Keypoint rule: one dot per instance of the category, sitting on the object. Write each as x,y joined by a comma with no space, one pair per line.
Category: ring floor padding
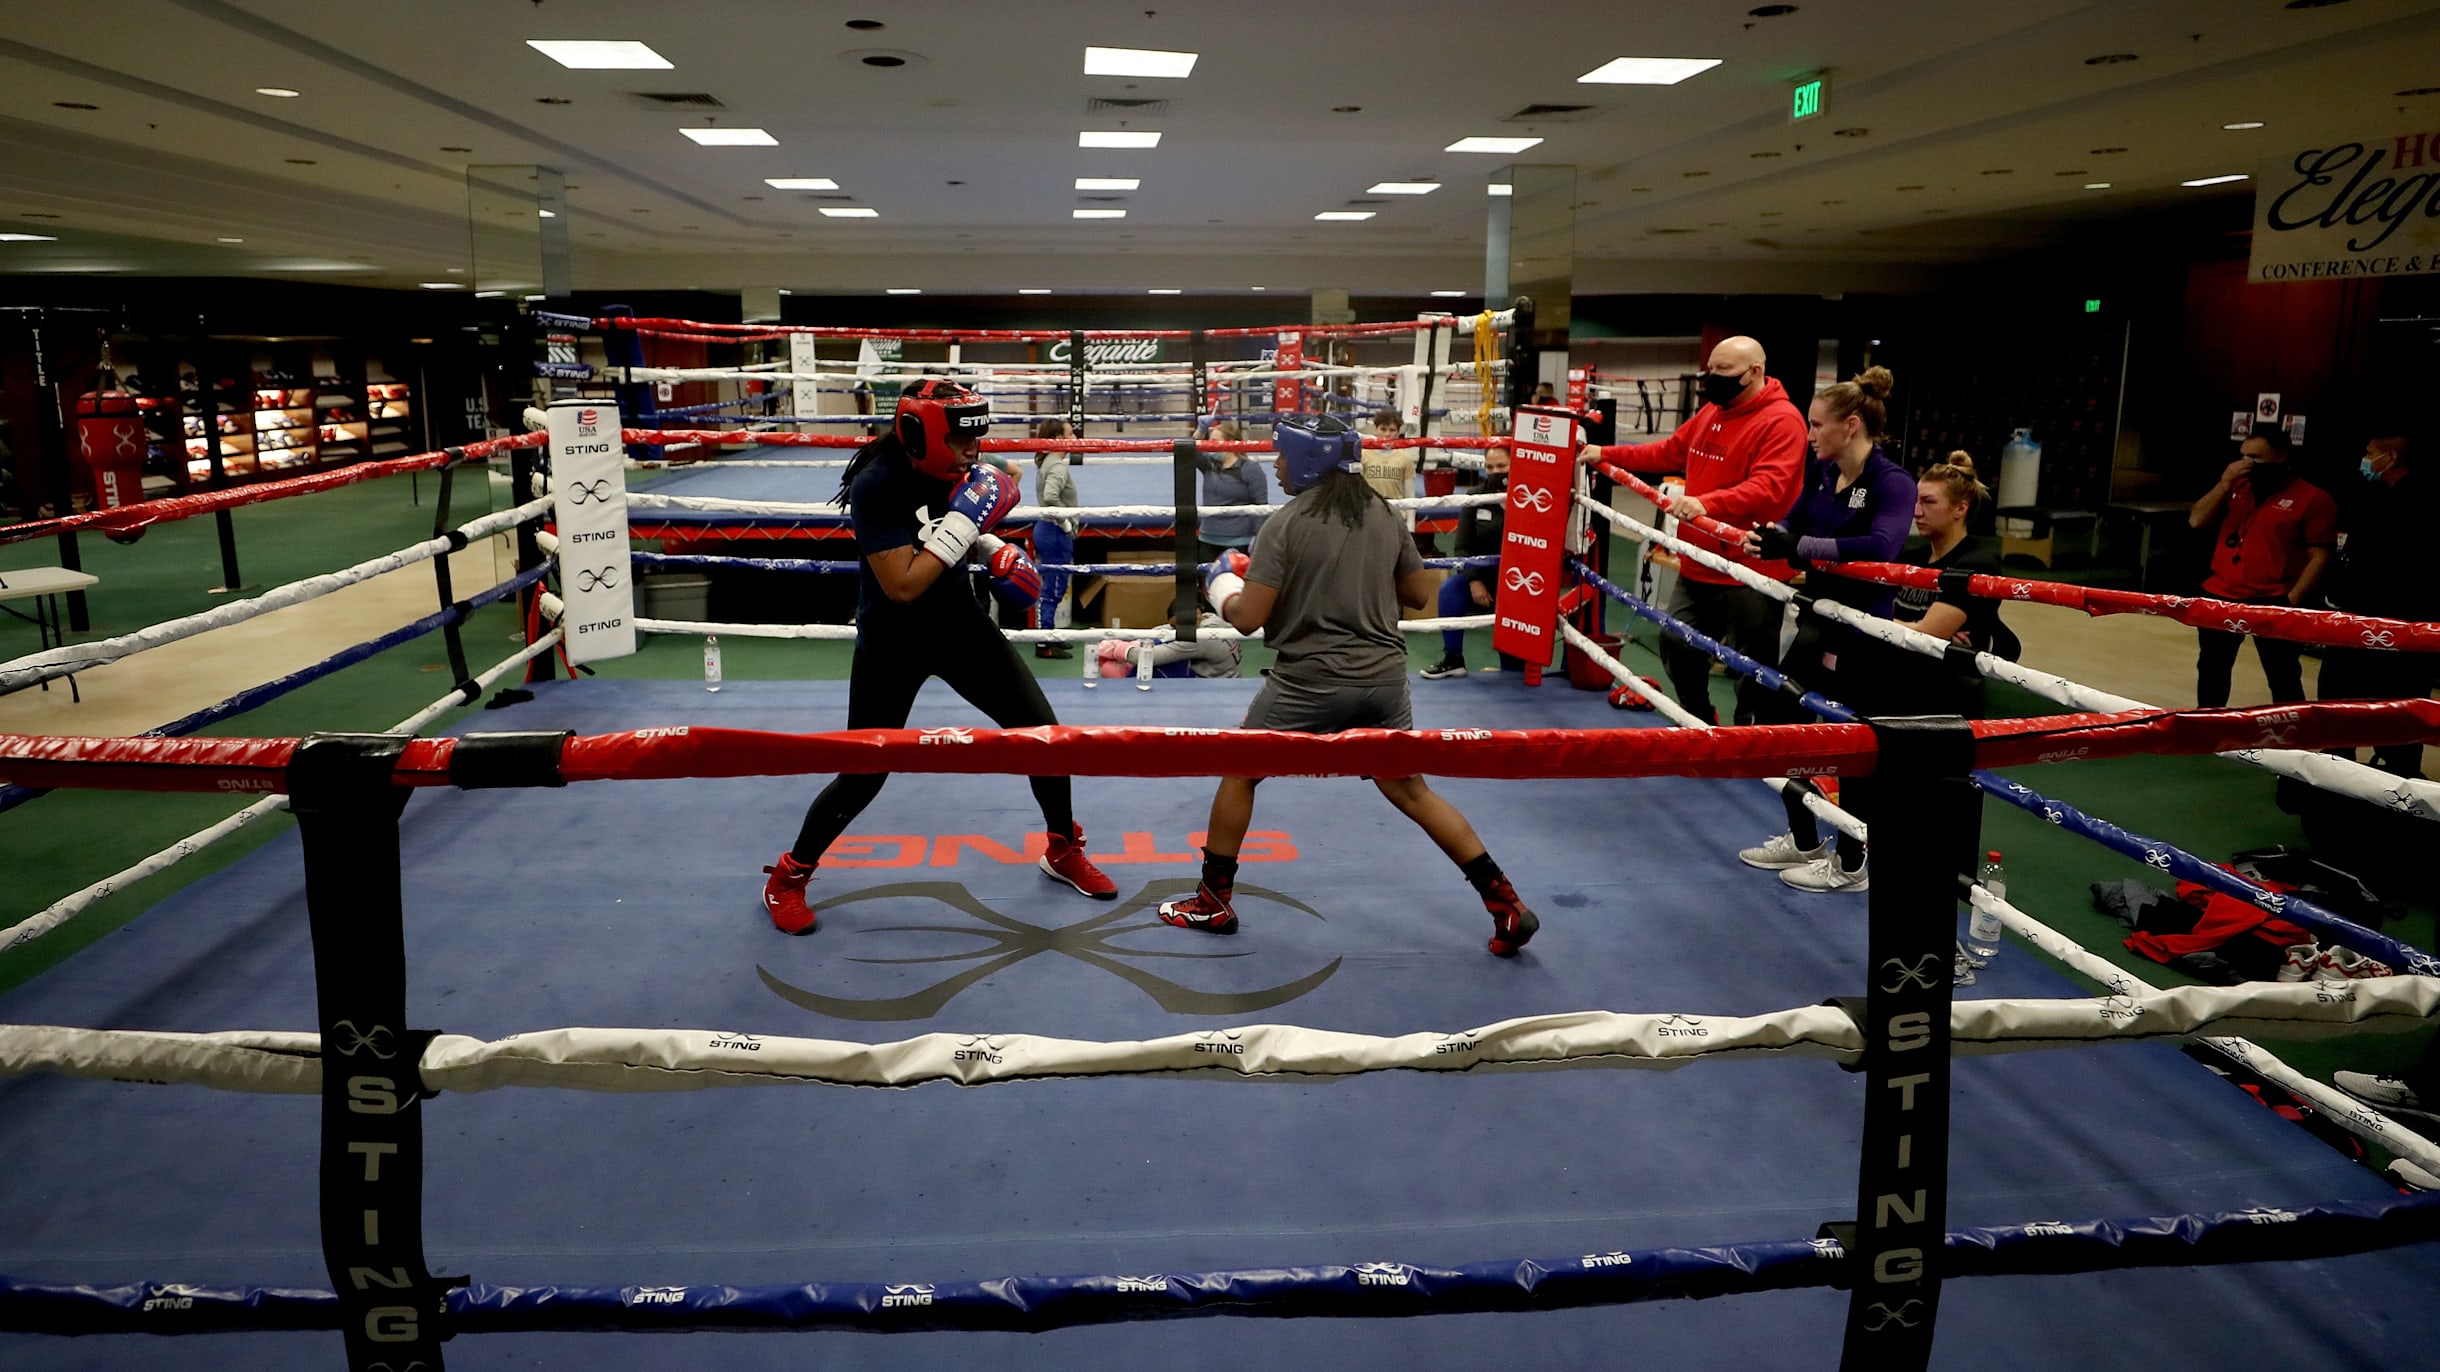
636,905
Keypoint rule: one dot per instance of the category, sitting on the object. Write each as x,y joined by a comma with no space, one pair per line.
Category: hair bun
1876,380
1962,460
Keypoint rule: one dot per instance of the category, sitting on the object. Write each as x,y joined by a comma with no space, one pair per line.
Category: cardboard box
1431,601
1131,602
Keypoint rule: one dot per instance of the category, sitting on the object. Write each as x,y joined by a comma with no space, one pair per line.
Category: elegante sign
1101,352
2359,208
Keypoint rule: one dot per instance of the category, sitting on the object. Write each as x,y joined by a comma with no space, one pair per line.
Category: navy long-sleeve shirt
1866,522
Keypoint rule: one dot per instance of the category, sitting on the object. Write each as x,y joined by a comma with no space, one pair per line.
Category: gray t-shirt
1336,619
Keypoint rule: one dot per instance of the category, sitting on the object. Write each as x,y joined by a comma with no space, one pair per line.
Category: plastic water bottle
1983,930
711,662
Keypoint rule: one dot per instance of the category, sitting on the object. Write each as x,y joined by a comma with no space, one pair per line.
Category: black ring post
347,808
1923,822
526,467
1190,532
1076,373
451,637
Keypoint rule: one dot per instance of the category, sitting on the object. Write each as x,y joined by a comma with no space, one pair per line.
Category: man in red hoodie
1743,454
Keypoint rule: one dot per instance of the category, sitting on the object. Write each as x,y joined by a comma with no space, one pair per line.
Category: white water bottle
1983,930
711,662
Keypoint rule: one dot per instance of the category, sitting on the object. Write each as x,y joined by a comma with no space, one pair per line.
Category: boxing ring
1011,1127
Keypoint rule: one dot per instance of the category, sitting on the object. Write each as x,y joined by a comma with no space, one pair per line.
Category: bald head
1734,374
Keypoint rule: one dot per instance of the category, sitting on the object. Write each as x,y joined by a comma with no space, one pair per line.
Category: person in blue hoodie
1857,506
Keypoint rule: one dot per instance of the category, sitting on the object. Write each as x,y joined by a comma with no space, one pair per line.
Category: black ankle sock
1851,857
1481,872
1219,869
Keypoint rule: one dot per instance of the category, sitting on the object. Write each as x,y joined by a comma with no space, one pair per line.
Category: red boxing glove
1014,577
1223,579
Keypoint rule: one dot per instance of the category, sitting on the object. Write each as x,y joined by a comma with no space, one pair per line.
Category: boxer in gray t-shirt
1324,586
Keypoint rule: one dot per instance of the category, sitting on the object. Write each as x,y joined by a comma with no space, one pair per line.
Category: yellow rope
1486,352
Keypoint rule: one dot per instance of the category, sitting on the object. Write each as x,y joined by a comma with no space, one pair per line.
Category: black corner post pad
493,762
1921,813
346,802
1183,610
457,540
1956,581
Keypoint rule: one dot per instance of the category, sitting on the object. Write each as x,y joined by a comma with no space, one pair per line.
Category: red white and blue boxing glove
1015,580
981,502
1223,579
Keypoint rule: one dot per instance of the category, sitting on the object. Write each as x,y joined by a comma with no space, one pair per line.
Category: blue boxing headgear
1312,446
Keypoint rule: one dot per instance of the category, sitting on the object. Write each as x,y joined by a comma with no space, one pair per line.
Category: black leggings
2215,664
977,663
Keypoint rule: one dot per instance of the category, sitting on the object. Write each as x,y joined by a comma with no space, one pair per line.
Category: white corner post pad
588,472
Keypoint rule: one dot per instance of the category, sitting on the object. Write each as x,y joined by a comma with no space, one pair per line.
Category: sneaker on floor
2391,1094
1824,874
1512,923
1779,852
2300,962
1444,669
1066,862
784,895
1207,910
2405,1173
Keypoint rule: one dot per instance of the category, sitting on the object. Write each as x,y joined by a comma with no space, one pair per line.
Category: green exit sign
2092,307
1811,98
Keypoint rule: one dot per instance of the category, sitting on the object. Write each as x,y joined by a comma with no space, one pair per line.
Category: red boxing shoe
1208,909
1511,922
1066,862
784,896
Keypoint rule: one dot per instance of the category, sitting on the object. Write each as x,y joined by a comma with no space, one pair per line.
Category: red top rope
791,439
259,765
696,331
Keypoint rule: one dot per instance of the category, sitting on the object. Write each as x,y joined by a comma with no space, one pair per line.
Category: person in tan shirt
1391,474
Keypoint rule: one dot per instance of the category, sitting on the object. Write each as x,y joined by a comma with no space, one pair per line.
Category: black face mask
2269,476
1722,390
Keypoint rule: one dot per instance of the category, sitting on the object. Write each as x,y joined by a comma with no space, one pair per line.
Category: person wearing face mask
1743,454
2276,532
2384,568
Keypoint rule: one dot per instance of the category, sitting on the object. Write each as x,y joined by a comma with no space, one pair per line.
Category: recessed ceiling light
2216,180
800,183
1033,290
2246,124
229,240
1137,62
279,92
444,285
1117,139
454,271
731,138
2109,59
849,212
1500,188
1107,183
1447,295
2096,185
27,238
1097,214
1344,216
592,55
1403,188
1164,290
902,290
1258,288
1479,144
1646,71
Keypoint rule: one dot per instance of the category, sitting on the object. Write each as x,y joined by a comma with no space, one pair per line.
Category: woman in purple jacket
1857,507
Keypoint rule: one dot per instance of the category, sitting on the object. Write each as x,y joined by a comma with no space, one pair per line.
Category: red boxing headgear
930,413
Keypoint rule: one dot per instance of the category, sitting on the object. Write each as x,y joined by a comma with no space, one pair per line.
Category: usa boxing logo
588,423
1518,579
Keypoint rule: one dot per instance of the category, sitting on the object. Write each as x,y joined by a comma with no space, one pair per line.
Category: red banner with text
1541,479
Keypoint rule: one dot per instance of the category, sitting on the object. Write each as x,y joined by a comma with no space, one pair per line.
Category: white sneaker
1779,852
2301,961
2405,1173
1824,874
2391,1094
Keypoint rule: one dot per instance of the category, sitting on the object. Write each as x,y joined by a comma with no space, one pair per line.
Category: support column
1530,250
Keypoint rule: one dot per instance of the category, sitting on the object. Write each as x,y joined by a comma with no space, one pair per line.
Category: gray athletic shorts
1299,708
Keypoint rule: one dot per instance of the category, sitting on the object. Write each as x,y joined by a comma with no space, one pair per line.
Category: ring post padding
526,466
1922,828
441,528
340,789
1190,533
1076,383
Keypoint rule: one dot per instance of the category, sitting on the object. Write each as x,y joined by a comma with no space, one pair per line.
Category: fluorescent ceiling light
1403,188
1347,216
1258,288
1164,290
27,238
1091,139
491,295
2096,185
2247,124
902,290
230,240
731,138
1098,214
1646,71
590,55
1107,183
1033,290
279,92
548,214
1501,188
800,183
2215,180
444,285
1137,62
1448,295
849,212
1491,145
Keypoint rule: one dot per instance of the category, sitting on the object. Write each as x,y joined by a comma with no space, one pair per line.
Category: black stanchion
347,808
1524,354
442,584
526,466
1190,533
1922,825
1076,377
